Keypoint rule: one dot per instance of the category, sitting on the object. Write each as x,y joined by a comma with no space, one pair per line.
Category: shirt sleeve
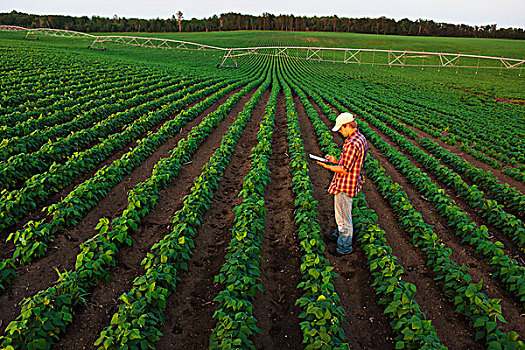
349,157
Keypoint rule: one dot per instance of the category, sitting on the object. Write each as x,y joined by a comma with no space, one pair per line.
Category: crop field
151,200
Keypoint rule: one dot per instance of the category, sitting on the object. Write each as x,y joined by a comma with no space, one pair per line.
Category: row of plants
507,269
409,323
45,315
506,194
484,314
32,240
516,174
17,203
70,109
35,132
27,114
141,310
490,209
425,114
502,192
111,119
321,313
240,273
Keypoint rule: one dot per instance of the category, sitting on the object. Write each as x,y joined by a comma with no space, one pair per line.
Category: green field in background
503,83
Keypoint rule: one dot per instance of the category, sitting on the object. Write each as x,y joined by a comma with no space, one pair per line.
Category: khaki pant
343,218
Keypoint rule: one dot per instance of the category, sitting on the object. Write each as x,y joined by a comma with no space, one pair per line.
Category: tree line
267,21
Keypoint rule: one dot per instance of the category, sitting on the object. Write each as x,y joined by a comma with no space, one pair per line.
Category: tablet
324,160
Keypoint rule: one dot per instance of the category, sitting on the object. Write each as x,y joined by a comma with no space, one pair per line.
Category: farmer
347,181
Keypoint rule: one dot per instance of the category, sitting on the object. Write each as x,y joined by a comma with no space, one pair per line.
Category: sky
503,13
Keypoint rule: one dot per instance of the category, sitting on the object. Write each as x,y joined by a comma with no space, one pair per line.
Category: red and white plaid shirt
352,159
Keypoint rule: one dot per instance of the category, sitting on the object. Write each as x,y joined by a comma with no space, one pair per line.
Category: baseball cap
342,119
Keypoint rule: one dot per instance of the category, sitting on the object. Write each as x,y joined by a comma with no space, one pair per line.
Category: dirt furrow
366,327
474,214
477,163
88,324
462,254
189,321
275,310
62,254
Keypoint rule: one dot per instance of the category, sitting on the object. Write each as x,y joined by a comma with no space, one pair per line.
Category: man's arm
335,168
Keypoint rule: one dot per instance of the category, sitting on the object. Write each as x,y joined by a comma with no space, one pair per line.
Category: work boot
332,237
334,252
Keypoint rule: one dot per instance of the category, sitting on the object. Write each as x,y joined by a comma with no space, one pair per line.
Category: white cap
342,119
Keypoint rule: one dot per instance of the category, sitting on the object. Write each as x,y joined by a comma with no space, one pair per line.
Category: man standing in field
347,181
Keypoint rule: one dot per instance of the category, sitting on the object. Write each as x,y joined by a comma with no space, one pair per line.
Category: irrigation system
403,58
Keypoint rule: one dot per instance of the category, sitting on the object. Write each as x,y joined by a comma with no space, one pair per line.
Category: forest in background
267,21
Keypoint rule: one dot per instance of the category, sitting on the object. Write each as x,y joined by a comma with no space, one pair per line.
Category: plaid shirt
352,159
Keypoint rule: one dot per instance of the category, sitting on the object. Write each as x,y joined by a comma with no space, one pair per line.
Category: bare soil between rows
62,253
188,318
433,302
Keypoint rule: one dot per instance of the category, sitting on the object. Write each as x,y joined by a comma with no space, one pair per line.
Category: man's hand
324,165
335,168
331,159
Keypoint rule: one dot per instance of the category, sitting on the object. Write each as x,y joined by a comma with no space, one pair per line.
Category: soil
189,314
276,312
417,272
62,253
365,327
502,177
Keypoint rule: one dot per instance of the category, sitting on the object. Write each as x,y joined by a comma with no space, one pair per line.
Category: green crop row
49,94
319,303
45,315
240,273
490,209
408,321
483,313
32,240
134,325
